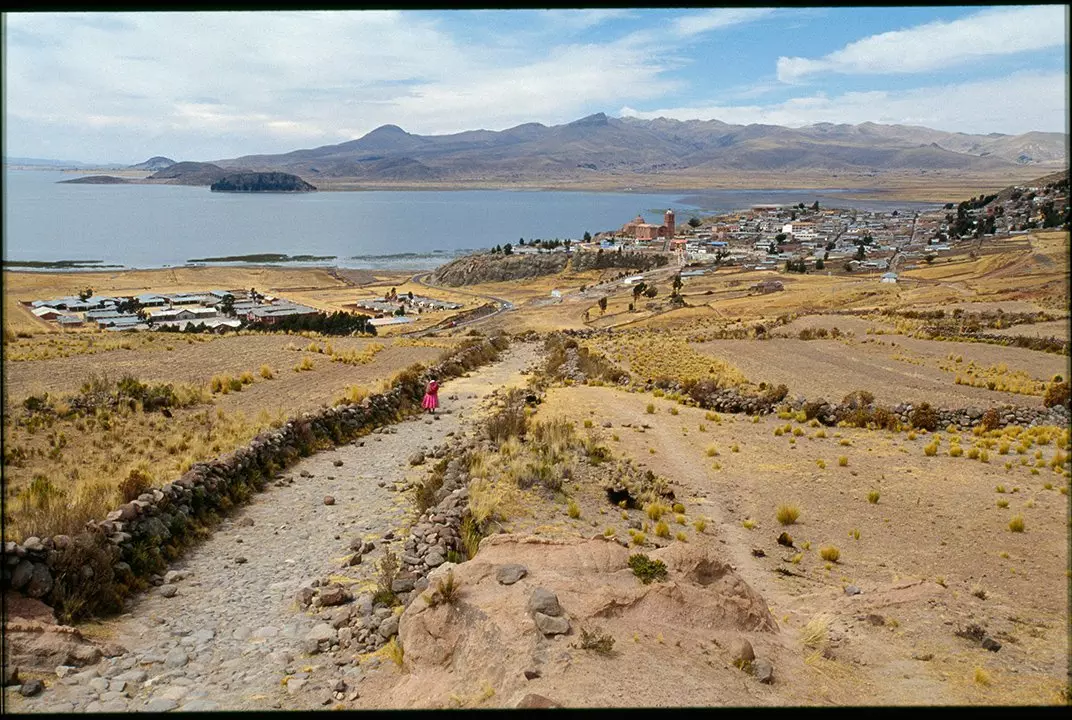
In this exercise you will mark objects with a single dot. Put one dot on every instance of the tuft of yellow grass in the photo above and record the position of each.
(814, 633)
(829, 553)
(787, 514)
(1017, 524)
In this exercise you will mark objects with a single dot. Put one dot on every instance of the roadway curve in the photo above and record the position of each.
(421, 279)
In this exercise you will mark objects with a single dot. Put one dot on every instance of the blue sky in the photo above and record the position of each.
(120, 87)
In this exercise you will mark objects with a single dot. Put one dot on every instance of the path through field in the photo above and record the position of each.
(233, 629)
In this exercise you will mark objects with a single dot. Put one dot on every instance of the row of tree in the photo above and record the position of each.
(336, 323)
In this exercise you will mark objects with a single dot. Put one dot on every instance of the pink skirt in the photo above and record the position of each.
(431, 402)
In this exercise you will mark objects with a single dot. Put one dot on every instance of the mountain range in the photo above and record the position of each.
(600, 146)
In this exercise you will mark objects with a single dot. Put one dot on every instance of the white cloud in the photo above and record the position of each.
(205, 86)
(583, 19)
(938, 45)
(1014, 104)
(717, 18)
(278, 80)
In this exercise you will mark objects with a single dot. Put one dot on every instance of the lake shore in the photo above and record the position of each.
(936, 186)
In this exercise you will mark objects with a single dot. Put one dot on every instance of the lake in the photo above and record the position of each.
(151, 226)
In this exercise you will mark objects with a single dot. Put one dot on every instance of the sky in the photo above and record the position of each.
(122, 87)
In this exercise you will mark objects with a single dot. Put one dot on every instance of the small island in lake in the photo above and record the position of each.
(96, 180)
(59, 264)
(261, 182)
(263, 258)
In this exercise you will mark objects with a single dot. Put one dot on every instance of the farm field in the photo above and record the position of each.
(894, 368)
(1053, 328)
(87, 458)
(196, 362)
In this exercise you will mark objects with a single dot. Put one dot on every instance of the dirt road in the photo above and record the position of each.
(232, 631)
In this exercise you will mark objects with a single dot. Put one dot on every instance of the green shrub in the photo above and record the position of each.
(646, 569)
(924, 417)
(385, 577)
(596, 641)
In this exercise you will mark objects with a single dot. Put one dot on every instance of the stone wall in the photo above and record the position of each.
(91, 572)
(733, 401)
(437, 530)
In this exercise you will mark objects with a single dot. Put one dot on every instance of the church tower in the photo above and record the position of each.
(668, 221)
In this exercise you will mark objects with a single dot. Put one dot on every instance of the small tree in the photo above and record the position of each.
(816, 206)
(650, 291)
(508, 249)
(819, 264)
(602, 305)
(587, 236)
(85, 294)
(129, 306)
(859, 252)
(227, 304)
(695, 222)
(780, 238)
(638, 289)
(677, 283)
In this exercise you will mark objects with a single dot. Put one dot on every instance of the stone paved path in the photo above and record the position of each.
(232, 630)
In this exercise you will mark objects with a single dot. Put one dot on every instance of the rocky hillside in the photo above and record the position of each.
(190, 173)
(261, 182)
(489, 267)
(154, 164)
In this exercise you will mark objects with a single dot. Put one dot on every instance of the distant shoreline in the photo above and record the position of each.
(936, 186)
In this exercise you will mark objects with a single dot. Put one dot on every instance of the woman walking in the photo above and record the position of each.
(431, 396)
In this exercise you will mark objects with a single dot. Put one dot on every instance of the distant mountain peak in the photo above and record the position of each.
(388, 130)
(598, 143)
(155, 163)
(591, 121)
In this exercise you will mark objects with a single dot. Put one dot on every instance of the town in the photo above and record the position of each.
(805, 238)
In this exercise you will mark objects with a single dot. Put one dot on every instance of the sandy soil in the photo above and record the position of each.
(936, 519)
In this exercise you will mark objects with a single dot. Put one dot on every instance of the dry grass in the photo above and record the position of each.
(814, 633)
(70, 475)
(787, 514)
